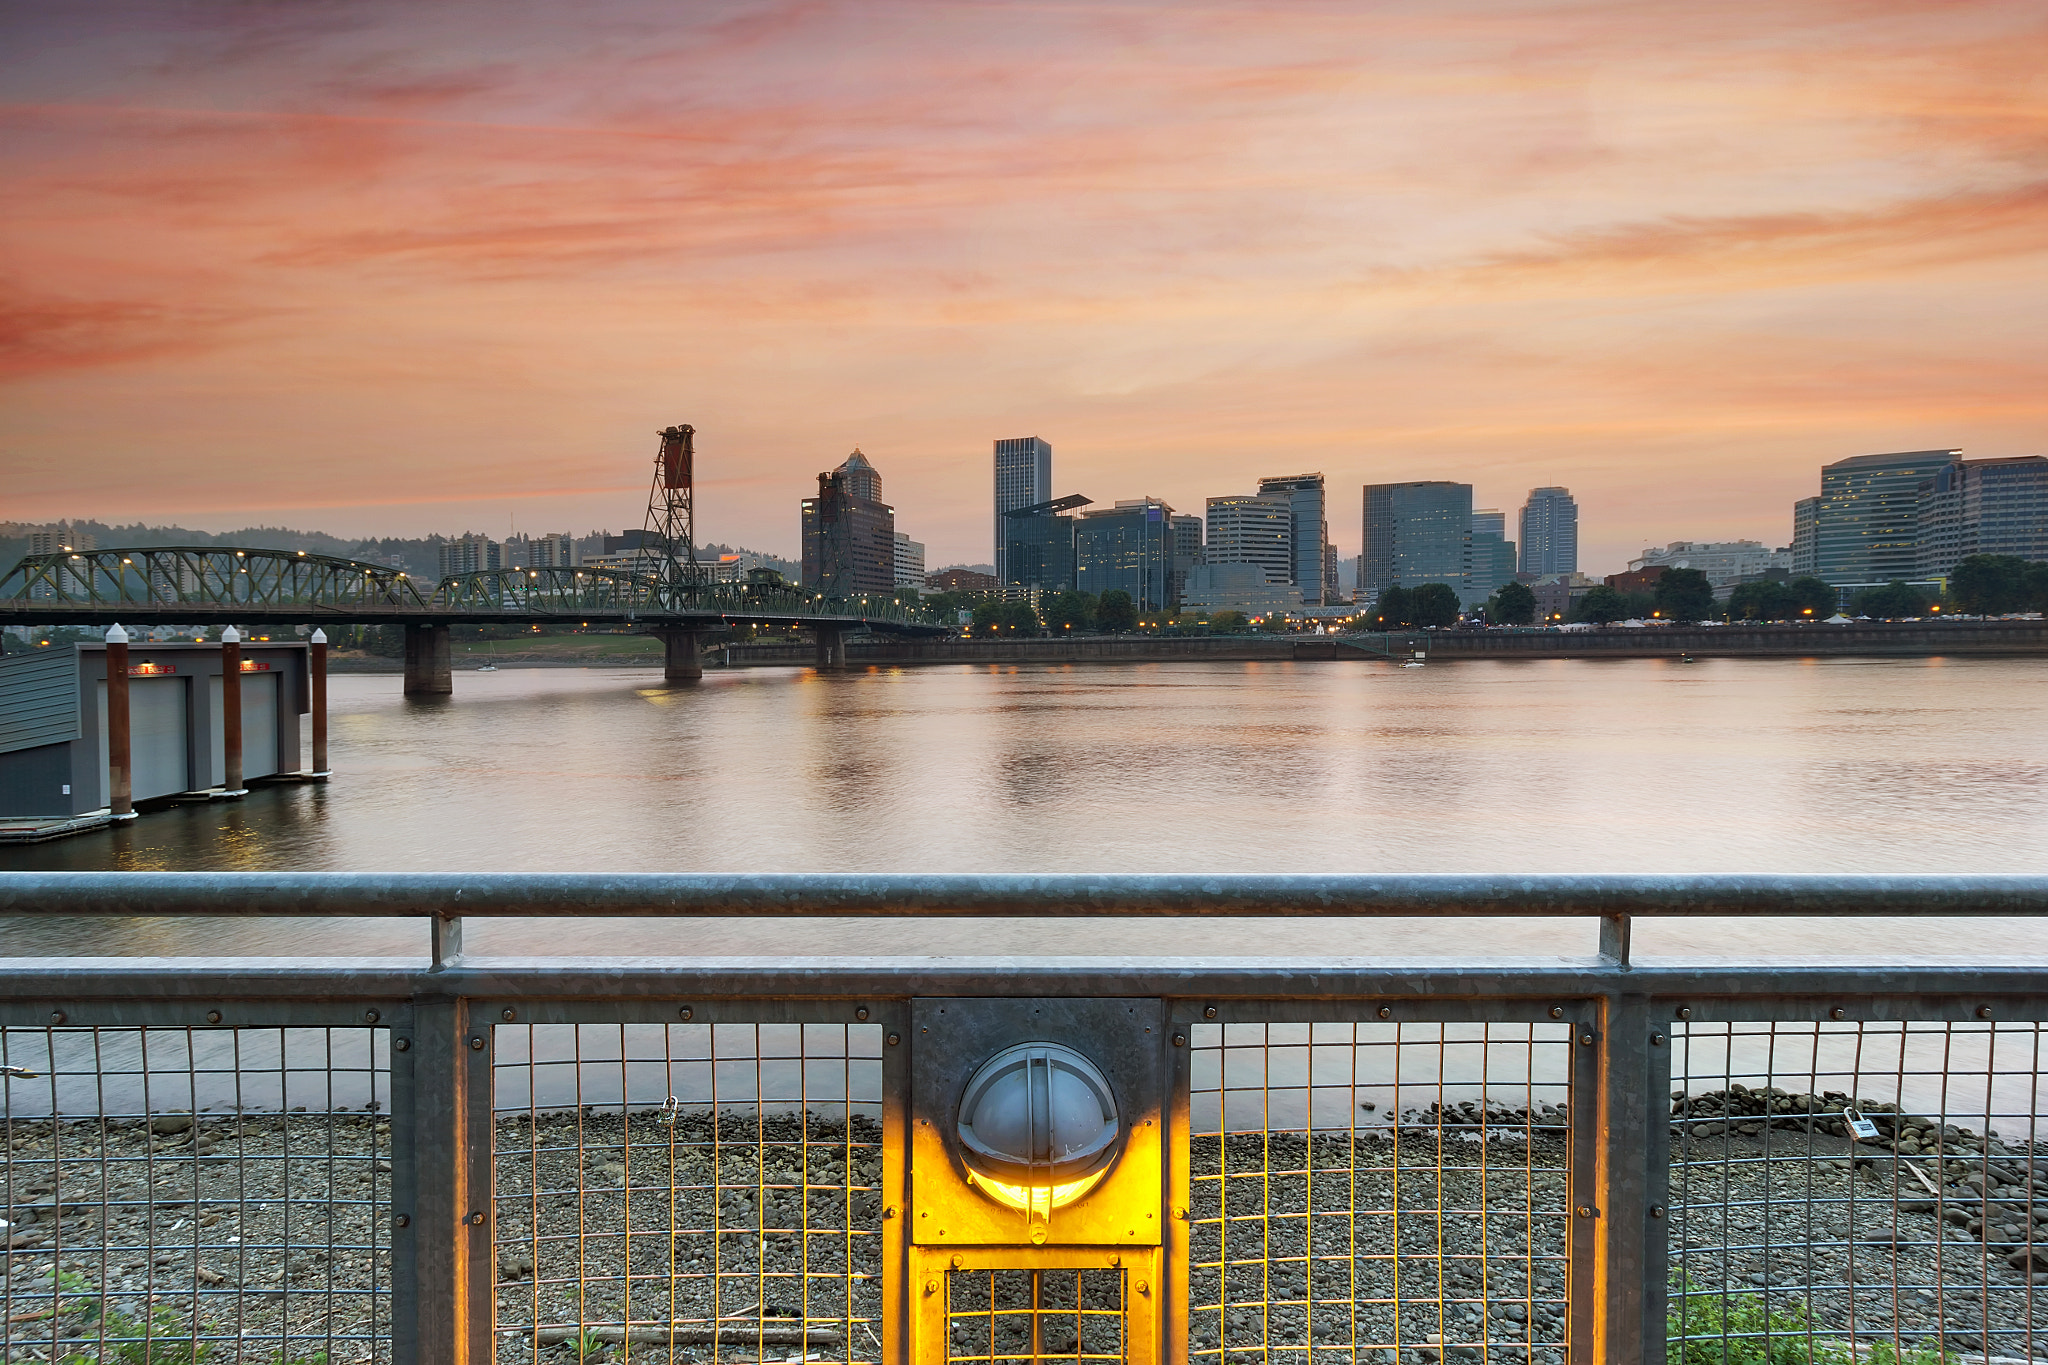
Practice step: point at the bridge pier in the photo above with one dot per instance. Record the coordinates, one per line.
(429, 670)
(831, 646)
(682, 656)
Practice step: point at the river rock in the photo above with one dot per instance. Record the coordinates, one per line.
(164, 1125)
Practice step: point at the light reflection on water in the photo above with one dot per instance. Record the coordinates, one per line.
(1839, 765)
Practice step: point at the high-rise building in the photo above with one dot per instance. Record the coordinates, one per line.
(1490, 562)
(61, 539)
(552, 552)
(849, 533)
(1129, 547)
(1252, 528)
(1187, 550)
(471, 554)
(1415, 533)
(1983, 507)
(1333, 588)
(1550, 532)
(1023, 479)
(1867, 528)
(1805, 537)
(909, 562)
(1038, 543)
(1310, 532)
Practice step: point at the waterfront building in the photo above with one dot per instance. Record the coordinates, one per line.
(1309, 531)
(1415, 533)
(849, 533)
(1724, 562)
(1556, 594)
(1491, 560)
(54, 748)
(471, 554)
(1805, 537)
(1550, 532)
(1023, 468)
(1867, 526)
(1129, 547)
(961, 580)
(1236, 587)
(1333, 589)
(909, 562)
(1038, 543)
(1983, 507)
(1256, 529)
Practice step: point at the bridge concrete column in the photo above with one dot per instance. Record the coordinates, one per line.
(682, 654)
(429, 669)
(831, 646)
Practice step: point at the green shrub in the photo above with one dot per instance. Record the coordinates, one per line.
(1706, 1327)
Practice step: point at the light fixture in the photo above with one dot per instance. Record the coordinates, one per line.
(1038, 1129)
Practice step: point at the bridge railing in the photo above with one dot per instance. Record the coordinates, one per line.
(471, 1158)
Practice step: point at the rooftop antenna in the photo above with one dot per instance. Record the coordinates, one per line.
(671, 530)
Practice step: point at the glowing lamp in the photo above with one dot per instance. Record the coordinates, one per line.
(1038, 1129)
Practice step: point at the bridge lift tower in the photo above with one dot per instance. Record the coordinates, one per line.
(671, 538)
(671, 530)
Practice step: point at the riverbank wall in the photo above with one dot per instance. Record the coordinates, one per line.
(1906, 638)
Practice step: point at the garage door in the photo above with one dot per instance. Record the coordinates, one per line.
(259, 727)
(157, 751)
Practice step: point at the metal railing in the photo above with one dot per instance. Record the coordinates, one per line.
(471, 1159)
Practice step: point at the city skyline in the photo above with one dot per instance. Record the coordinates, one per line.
(404, 270)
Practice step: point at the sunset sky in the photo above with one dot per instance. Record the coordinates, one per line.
(399, 268)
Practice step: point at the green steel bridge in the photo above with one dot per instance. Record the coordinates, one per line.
(216, 585)
(185, 585)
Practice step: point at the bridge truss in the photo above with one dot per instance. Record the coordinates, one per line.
(208, 576)
(194, 585)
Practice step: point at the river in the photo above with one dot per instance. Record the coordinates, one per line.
(1767, 765)
(1836, 765)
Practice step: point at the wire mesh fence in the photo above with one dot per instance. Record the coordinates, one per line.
(1061, 1317)
(1842, 1191)
(689, 1191)
(177, 1195)
(1379, 1191)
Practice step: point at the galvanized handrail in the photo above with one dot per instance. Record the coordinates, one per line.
(834, 895)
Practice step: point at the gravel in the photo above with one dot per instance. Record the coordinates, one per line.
(1446, 1232)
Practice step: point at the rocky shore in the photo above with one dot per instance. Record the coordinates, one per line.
(1441, 1233)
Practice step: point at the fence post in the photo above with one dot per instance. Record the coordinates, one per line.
(1630, 1098)
(447, 1308)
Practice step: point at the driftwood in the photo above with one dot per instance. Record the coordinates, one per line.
(692, 1334)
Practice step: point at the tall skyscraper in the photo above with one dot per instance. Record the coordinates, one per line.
(1416, 533)
(1252, 528)
(1128, 546)
(849, 533)
(1311, 530)
(1023, 478)
(1550, 532)
(1867, 527)
(1983, 507)
(1039, 544)
(1805, 537)
(1491, 560)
